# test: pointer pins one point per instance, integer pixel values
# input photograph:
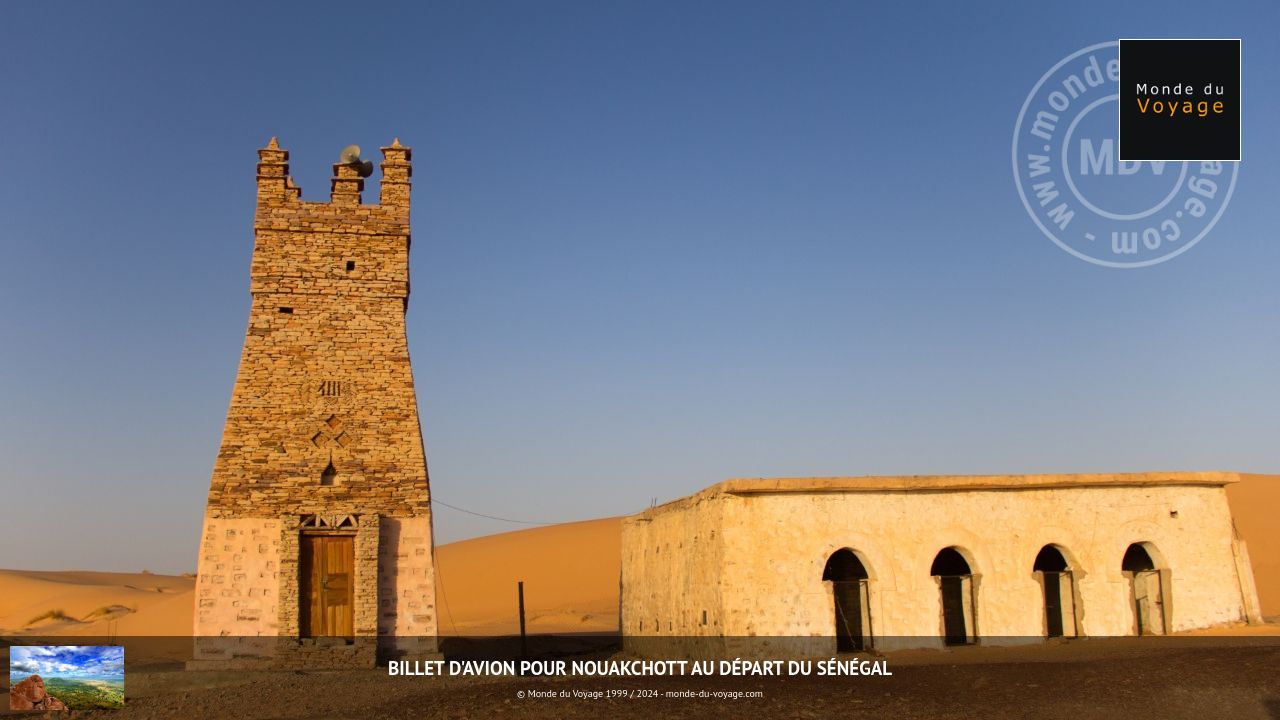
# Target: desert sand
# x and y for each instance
(571, 574)
(1255, 505)
(86, 603)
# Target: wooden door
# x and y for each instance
(1148, 602)
(1068, 605)
(328, 586)
(864, 606)
(970, 608)
(851, 593)
(849, 614)
(1052, 603)
(956, 613)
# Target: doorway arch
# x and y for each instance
(955, 586)
(851, 598)
(1057, 579)
(1149, 586)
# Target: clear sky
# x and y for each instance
(656, 245)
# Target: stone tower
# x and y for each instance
(317, 544)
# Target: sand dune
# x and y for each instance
(570, 575)
(1255, 505)
(94, 603)
(570, 571)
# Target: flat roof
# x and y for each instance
(926, 483)
(947, 483)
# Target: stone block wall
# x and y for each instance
(323, 420)
(325, 378)
(673, 571)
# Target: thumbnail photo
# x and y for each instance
(66, 677)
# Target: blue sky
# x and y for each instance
(105, 662)
(656, 245)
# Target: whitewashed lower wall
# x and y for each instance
(407, 613)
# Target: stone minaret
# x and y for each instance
(317, 544)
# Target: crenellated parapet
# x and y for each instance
(341, 245)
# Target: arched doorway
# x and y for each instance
(1055, 575)
(850, 590)
(1149, 588)
(955, 584)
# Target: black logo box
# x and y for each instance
(1208, 133)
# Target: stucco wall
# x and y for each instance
(775, 547)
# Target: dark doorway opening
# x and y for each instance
(850, 588)
(1059, 592)
(1149, 586)
(955, 583)
(1137, 559)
